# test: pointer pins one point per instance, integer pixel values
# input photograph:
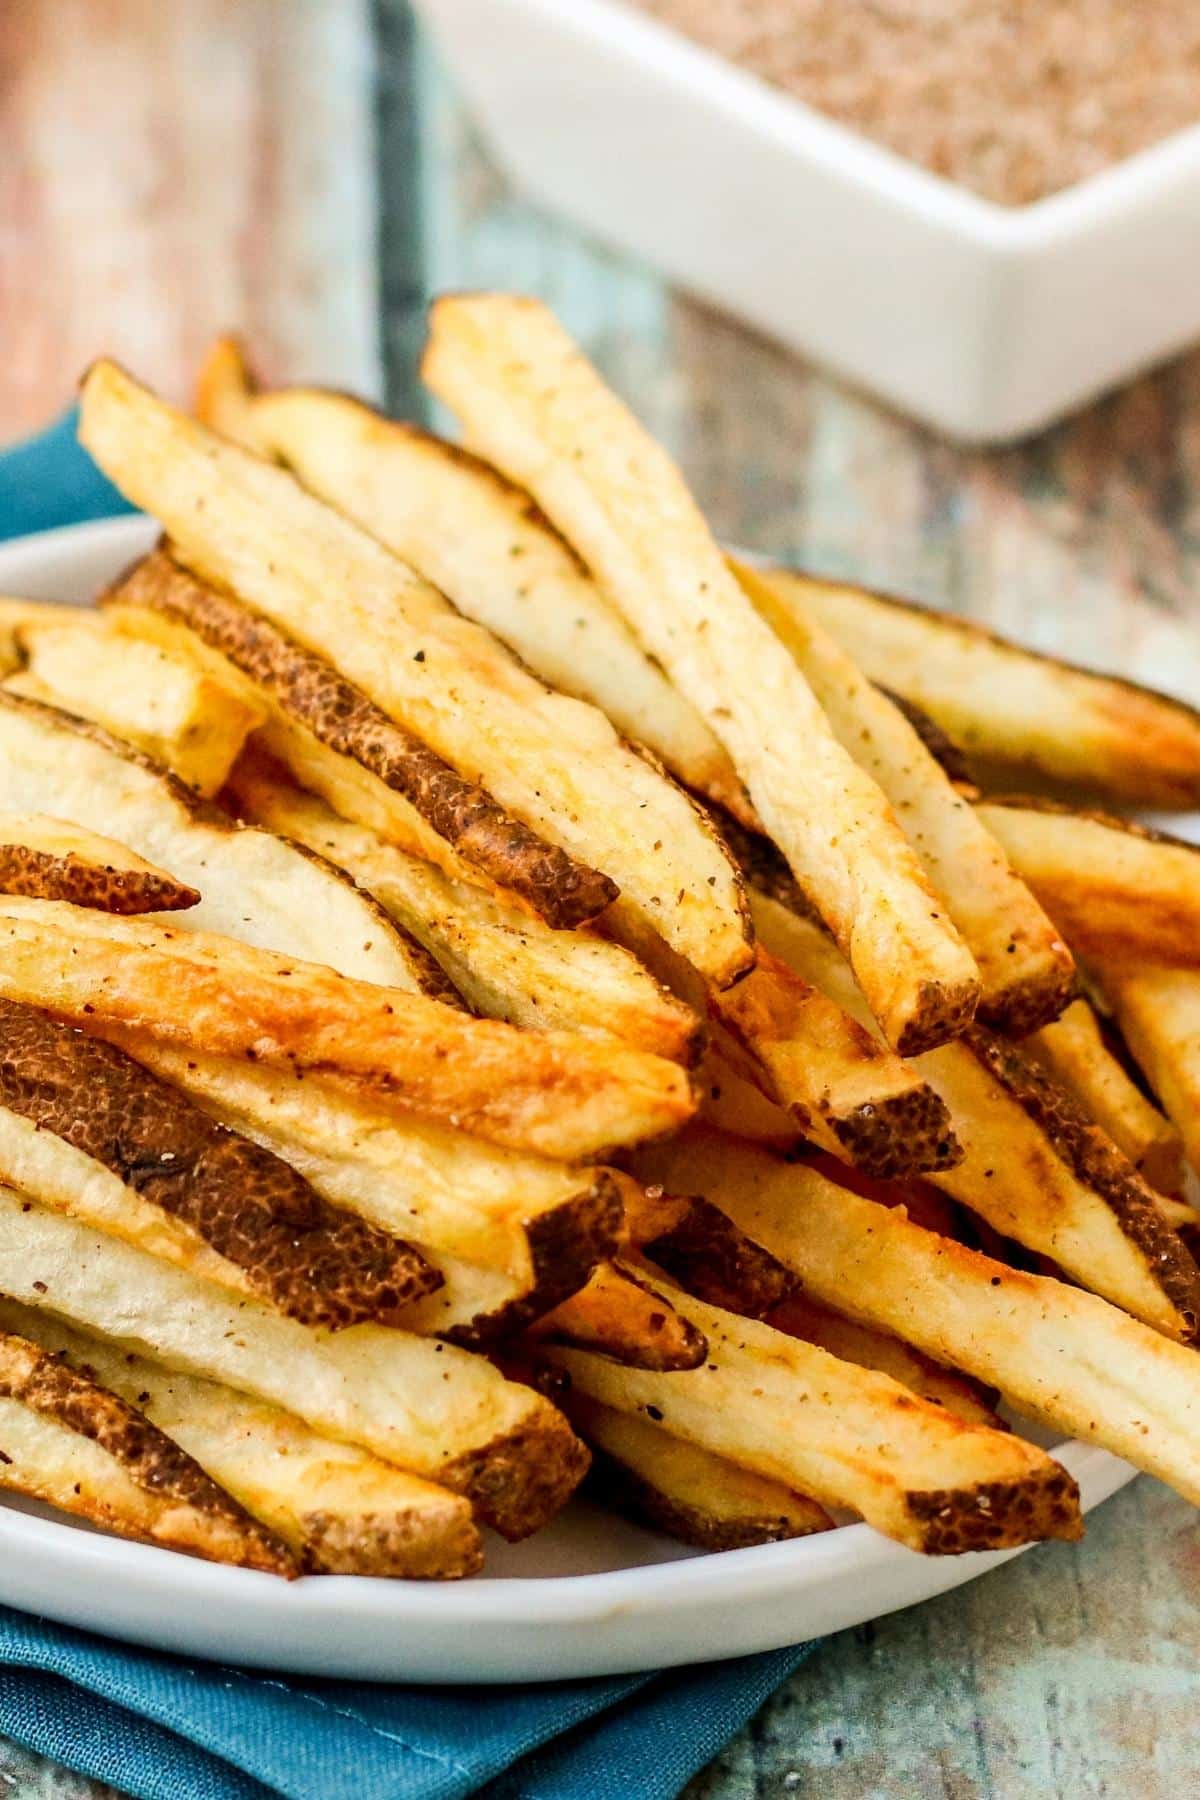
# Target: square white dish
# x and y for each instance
(984, 321)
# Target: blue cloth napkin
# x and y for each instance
(162, 1728)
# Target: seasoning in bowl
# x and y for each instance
(1015, 99)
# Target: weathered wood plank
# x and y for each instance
(171, 170)
(1071, 1671)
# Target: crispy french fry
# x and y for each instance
(551, 760)
(684, 1490)
(49, 859)
(1025, 966)
(1059, 1354)
(542, 1224)
(842, 1086)
(1073, 1053)
(1118, 890)
(87, 1130)
(1033, 1167)
(529, 400)
(874, 1349)
(432, 1409)
(621, 1314)
(482, 542)
(316, 718)
(158, 702)
(339, 1510)
(67, 1441)
(556, 1094)
(252, 885)
(1014, 708)
(1158, 1011)
(506, 964)
(846, 1435)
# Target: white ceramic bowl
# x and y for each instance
(985, 321)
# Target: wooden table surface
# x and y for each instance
(300, 169)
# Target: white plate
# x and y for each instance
(588, 1596)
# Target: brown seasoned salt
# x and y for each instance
(1015, 99)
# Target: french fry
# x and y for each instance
(429, 1408)
(528, 400)
(1059, 1354)
(841, 1085)
(1158, 1011)
(552, 761)
(1118, 890)
(49, 859)
(1033, 1167)
(87, 1130)
(1012, 708)
(621, 1314)
(543, 1225)
(252, 885)
(556, 1094)
(191, 722)
(317, 719)
(1025, 966)
(873, 1349)
(67, 1441)
(339, 1510)
(505, 963)
(1073, 1053)
(684, 1490)
(479, 540)
(847, 1436)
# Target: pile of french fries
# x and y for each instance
(496, 993)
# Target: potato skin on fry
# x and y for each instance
(316, 1263)
(560, 890)
(707, 1254)
(105, 887)
(1100, 1165)
(429, 1408)
(47, 1386)
(339, 1510)
(507, 964)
